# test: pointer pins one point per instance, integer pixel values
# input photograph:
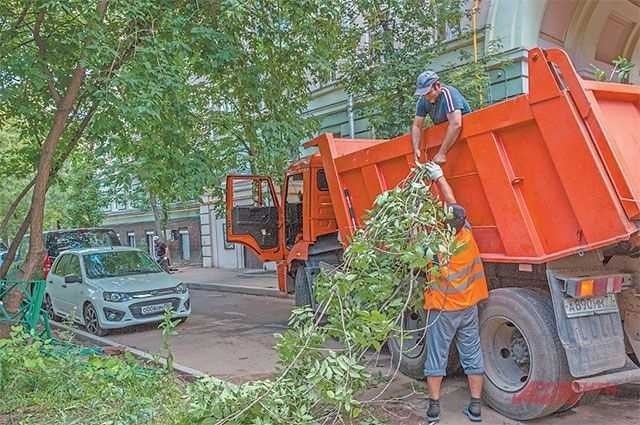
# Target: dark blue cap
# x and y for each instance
(425, 81)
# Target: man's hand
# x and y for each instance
(440, 158)
(434, 172)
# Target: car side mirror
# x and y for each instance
(72, 278)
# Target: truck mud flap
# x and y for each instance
(593, 344)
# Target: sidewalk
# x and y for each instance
(250, 282)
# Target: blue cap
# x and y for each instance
(425, 81)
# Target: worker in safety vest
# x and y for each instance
(442, 103)
(451, 303)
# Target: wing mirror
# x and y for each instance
(72, 278)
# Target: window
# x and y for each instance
(321, 179)
(261, 193)
(150, 247)
(185, 245)
(73, 266)
(293, 208)
(62, 266)
(131, 239)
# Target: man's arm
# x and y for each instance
(416, 135)
(434, 172)
(446, 191)
(453, 131)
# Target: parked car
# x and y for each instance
(112, 287)
(2, 255)
(56, 241)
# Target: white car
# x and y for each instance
(112, 287)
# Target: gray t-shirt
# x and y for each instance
(448, 101)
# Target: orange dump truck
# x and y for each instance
(551, 183)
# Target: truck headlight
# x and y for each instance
(181, 288)
(116, 297)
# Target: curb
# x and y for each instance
(184, 370)
(237, 289)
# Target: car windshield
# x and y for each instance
(119, 263)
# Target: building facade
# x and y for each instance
(135, 228)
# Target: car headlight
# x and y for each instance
(116, 297)
(181, 288)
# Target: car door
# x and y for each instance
(55, 281)
(72, 293)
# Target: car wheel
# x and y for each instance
(47, 306)
(91, 321)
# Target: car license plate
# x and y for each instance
(156, 308)
(576, 307)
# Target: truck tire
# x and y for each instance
(303, 289)
(414, 351)
(526, 371)
(582, 399)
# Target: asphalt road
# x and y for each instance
(228, 335)
(231, 336)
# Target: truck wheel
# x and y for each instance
(414, 350)
(526, 372)
(303, 290)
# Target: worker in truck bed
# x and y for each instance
(442, 103)
(453, 313)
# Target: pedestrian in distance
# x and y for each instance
(452, 311)
(161, 253)
(442, 103)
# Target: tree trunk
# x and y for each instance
(157, 214)
(14, 298)
(36, 242)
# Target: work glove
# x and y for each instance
(434, 172)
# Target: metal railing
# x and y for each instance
(30, 313)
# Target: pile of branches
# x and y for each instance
(360, 305)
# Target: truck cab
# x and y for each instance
(283, 224)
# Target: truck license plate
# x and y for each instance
(156, 308)
(576, 307)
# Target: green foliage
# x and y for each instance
(168, 327)
(77, 198)
(623, 67)
(42, 385)
(620, 73)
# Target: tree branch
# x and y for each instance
(42, 51)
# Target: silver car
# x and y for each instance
(108, 288)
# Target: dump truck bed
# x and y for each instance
(544, 175)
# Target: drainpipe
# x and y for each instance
(352, 124)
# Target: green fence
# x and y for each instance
(30, 313)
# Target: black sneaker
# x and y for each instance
(433, 411)
(473, 410)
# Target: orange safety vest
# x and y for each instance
(462, 283)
